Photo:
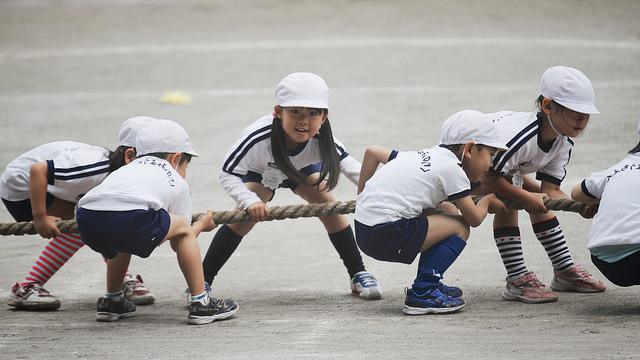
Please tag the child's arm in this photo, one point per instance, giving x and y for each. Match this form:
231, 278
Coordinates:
45, 225
532, 202
578, 194
373, 156
473, 213
204, 223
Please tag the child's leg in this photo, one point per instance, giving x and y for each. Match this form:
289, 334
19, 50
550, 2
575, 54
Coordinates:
116, 269
113, 305
228, 237
507, 237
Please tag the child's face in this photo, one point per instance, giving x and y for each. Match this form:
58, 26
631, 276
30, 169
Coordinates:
300, 123
568, 122
477, 160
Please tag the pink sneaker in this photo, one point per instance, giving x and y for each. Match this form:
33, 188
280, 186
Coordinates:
31, 296
576, 279
528, 289
135, 291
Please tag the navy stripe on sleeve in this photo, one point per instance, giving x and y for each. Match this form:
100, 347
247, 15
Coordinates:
459, 195
583, 186
82, 167
244, 152
512, 150
81, 175
242, 144
393, 155
515, 139
50, 172
548, 178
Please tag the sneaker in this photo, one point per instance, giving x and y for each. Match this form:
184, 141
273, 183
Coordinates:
135, 291
109, 309
576, 279
207, 288
31, 296
431, 302
452, 291
214, 309
528, 289
365, 285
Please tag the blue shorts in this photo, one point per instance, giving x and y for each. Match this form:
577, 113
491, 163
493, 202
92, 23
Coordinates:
255, 177
136, 232
21, 210
397, 241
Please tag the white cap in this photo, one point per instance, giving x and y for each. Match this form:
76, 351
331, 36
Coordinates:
303, 89
470, 125
163, 136
570, 88
130, 128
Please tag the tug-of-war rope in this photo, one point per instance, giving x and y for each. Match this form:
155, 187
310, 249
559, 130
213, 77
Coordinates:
281, 213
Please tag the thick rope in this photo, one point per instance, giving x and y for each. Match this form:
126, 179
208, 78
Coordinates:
278, 213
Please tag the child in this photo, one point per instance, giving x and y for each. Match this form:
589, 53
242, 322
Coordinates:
293, 148
43, 185
139, 207
540, 142
389, 222
614, 238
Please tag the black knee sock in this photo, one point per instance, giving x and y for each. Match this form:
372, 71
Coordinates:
224, 243
345, 245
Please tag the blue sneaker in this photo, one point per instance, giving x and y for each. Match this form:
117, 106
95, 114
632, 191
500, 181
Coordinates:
452, 291
365, 285
431, 302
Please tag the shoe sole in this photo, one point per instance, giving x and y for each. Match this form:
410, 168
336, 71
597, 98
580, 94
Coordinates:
410, 310
202, 320
109, 317
142, 300
567, 286
511, 297
34, 306
367, 295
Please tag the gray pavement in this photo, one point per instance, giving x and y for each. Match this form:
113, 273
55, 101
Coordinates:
74, 70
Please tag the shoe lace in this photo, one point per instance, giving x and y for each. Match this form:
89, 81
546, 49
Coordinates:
367, 280
579, 270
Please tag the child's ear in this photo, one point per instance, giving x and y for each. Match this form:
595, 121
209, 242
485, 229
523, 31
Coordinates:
129, 155
174, 159
546, 105
277, 111
468, 148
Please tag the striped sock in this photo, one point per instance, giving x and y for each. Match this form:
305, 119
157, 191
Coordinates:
550, 235
53, 257
510, 247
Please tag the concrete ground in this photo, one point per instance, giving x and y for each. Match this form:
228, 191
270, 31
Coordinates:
74, 70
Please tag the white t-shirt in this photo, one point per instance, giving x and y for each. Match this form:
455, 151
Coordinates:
251, 155
526, 155
145, 183
73, 169
411, 182
618, 219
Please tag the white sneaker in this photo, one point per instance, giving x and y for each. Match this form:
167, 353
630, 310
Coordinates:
366, 286
31, 296
207, 288
134, 290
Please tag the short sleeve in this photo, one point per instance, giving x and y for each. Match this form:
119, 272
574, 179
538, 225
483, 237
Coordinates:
238, 160
593, 186
555, 171
341, 149
72, 174
455, 182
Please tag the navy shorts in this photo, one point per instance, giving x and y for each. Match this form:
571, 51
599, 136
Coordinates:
21, 210
397, 241
255, 177
136, 232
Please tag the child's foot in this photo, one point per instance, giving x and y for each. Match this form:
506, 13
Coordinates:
135, 291
31, 296
576, 279
109, 309
365, 285
431, 302
528, 289
452, 291
214, 309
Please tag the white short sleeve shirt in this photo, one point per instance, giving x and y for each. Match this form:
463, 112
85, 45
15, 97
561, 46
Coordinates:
411, 182
526, 155
73, 169
146, 183
618, 219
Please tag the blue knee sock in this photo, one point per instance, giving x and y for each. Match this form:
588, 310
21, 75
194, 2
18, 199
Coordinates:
434, 262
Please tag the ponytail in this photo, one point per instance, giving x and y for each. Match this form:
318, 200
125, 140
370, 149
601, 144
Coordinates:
116, 158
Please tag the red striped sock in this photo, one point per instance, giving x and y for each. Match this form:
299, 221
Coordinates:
53, 257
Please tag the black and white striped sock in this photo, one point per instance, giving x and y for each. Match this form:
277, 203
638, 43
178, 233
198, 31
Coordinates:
550, 235
510, 246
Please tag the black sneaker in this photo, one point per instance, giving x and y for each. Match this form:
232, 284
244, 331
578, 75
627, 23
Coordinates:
112, 310
215, 309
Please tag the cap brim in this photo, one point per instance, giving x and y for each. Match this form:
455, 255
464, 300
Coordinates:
499, 147
305, 103
581, 108
192, 153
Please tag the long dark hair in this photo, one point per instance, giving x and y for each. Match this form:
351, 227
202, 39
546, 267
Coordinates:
635, 149
116, 158
330, 170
